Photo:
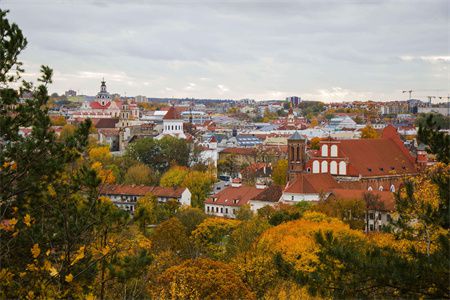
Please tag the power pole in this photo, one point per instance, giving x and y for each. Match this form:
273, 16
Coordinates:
410, 92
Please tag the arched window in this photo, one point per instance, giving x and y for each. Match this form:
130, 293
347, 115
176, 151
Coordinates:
380, 188
370, 188
334, 151
392, 188
333, 167
324, 167
342, 168
325, 150
316, 167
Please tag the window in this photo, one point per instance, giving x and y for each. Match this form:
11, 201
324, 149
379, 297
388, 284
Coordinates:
207, 208
392, 188
334, 151
234, 211
371, 216
316, 167
292, 198
388, 218
324, 166
226, 210
333, 167
371, 227
221, 210
342, 168
369, 188
379, 216
308, 170
325, 150
217, 209
380, 188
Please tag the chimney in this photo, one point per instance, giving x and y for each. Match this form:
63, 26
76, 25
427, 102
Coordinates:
236, 182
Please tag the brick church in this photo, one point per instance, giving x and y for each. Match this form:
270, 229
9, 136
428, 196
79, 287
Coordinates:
362, 164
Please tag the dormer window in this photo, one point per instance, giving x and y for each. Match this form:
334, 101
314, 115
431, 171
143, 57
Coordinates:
369, 169
236, 201
214, 199
381, 169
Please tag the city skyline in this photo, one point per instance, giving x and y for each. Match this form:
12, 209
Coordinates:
325, 50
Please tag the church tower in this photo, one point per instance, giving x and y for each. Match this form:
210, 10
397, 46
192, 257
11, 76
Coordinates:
296, 155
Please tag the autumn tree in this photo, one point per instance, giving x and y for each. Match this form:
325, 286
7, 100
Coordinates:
199, 184
171, 235
49, 207
280, 172
315, 143
139, 174
174, 177
211, 234
369, 132
201, 279
146, 211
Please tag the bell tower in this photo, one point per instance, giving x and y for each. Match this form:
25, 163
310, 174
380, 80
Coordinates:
296, 155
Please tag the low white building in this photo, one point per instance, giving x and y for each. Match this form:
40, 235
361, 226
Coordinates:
126, 196
309, 187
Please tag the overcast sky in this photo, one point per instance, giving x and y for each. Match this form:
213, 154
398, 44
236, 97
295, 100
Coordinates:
319, 50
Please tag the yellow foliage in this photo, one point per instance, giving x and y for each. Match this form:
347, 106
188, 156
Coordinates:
101, 153
78, 256
35, 250
295, 240
68, 278
27, 220
8, 225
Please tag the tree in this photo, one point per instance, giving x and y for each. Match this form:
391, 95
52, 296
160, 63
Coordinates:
146, 211
244, 213
50, 213
174, 177
422, 213
369, 132
280, 172
228, 165
314, 123
315, 143
199, 184
100, 153
438, 142
201, 279
190, 217
171, 235
58, 121
211, 234
139, 174
350, 211
160, 154
67, 131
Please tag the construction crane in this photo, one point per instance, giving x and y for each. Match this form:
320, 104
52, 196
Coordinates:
429, 100
410, 92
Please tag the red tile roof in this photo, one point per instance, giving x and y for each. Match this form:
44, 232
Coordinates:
312, 184
241, 151
98, 105
141, 190
104, 122
375, 157
271, 194
387, 198
172, 114
234, 196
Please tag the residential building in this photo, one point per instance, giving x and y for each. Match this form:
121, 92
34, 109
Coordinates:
126, 196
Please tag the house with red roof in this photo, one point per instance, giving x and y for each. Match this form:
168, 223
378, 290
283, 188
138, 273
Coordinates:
126, 196
227, 202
